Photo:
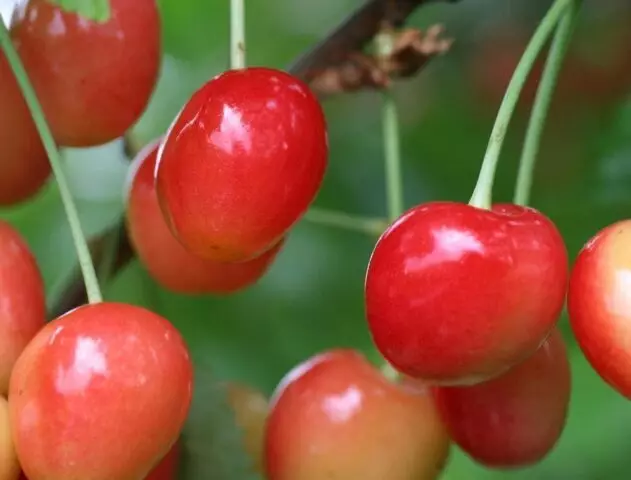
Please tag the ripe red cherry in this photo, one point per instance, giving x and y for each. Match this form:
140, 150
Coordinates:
9, 466
23, 300
167, 468
93, 79
457, 294
24, 168
516, 419
168, 262
241, 163
101, 392
336, 417
599, 304
250, 408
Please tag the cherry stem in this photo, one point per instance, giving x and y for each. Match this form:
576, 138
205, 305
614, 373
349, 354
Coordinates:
366, 225
542, 103
237, 34
81, 245
482, 193
391, 137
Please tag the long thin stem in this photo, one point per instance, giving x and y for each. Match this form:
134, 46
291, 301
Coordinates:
392, 156
483, 190
366, 225
542, 103
81, 245
237, 34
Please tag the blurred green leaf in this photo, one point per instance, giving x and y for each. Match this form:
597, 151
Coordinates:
95, 10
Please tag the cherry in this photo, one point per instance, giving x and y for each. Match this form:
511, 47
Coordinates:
516, 419
23, 300
599, 304
168, 262
241, 163
24, 168
93, 79
101, 392
250, 408
9, 466
167, 468
456, 294
336, 417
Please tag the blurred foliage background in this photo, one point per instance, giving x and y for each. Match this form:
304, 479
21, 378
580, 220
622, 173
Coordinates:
312, 299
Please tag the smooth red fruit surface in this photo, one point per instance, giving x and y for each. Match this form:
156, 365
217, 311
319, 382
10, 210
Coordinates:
93, 79
24, 168
241, 163
101, 392
168, 262
167, 468
599, 304
516, 419
250, 408
22, 297
9, 466
337, 417
457, 294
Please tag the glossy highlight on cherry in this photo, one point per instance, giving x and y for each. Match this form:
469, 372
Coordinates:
456, 295
241, 163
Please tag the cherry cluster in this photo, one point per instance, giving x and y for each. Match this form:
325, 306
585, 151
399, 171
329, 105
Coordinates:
462, 301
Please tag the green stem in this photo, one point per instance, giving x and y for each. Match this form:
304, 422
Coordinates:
81, 245
542, 103
481, 197
237, 34
367, 225
391, 138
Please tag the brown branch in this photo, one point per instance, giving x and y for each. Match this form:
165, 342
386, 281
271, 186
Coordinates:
337, 64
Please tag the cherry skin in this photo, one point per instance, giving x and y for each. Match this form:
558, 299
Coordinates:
9, 466
241, 163
101, 392
250, 408
167, 468
23, 300
456, 294
24, 168
599, 304
167, 261
94, 80
336, 417
516, 419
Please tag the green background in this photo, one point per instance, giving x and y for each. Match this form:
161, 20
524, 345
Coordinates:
312, 298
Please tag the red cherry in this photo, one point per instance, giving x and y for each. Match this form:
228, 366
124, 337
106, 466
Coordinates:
167, 468
599, 304
93, 79
168, 262
24, 168
457, 294
336, 417
9, 466
101, 392
516, 419
23, 300
241, 163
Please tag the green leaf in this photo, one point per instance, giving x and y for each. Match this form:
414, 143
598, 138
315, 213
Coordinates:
95, 10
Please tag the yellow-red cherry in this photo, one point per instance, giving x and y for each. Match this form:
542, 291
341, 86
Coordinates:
456, 294
337, 417
241, 163
517, 418
24, 168
9, 466
23, 299
166, 260
93, 79
101, 392
599, 304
